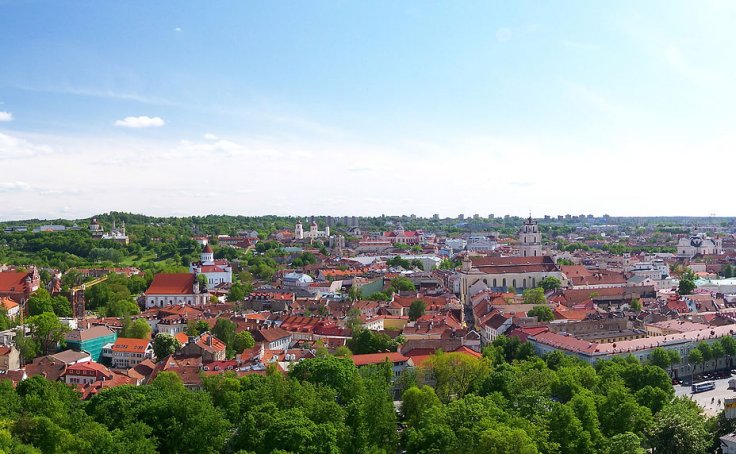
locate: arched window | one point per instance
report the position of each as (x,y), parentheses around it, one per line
(523,285)
(513,283)
(503,283)
(494,283)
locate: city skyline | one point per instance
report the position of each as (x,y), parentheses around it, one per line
(365,108)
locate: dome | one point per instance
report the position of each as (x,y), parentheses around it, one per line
(207,249)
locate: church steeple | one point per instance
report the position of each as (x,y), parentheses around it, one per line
(530,239)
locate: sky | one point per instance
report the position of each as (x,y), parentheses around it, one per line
(367,108)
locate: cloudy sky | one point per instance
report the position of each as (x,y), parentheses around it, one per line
(342,107)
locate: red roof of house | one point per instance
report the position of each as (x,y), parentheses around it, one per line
(172,284)
(13,281)
(7,303)
(130,345)
(76,369)
(378,358)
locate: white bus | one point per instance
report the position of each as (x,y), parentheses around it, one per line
(703,386)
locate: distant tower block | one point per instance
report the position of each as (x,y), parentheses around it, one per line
(530,239)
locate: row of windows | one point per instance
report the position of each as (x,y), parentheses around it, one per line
(513,282)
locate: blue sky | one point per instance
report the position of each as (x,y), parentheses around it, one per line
(339,107)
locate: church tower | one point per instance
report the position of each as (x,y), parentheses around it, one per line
(530,239)
(298,231)
(207,257)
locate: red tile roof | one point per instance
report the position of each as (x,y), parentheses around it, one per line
(130,345)
(13,281)
(7,303)
(172,284)
(378,358)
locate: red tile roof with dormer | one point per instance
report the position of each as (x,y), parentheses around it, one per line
(13,283)
(97,369)
(130,345)
(92,389)
(211,343)
(172,284)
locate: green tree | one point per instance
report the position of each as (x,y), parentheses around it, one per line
(729,348)
(28,347)
(368,341)
(679,428)
(664,358)
(543,313)
(337,373)
(202,280)
(243,341)
(503,439)
(137,329)
(567,431)
(687,282)
(40,302)
(224,330)
(550,283)
(402,284)
(196,327)
(534,296)
(416,401)
(238,292)
(635,305)
(164,345)
(47,330)
(416,309)
(625,443)
(728,271)
(454,374)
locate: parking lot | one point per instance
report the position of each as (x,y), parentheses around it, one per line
(708,400)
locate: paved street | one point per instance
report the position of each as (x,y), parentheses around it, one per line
(704,399)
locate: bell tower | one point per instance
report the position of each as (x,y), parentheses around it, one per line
(530,239)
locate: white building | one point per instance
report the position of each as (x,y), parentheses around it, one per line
(456,244)
(530,239)
(699,243)
(217,271)
(481,243)
(168,289)
(128,352)
(313,233)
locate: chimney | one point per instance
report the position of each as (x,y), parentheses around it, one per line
(209,340)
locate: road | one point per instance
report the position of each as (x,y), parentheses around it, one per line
(704,399)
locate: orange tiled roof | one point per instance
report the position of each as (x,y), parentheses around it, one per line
(130,345)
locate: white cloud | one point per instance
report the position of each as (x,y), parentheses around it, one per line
(177,29)
(14,147)
(6,116)
(210,136)
(13,186)
(503,34)
(140,122)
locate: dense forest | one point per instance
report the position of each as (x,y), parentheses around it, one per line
(509,401)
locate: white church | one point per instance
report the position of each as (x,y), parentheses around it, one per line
(217,271)
(313,233)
